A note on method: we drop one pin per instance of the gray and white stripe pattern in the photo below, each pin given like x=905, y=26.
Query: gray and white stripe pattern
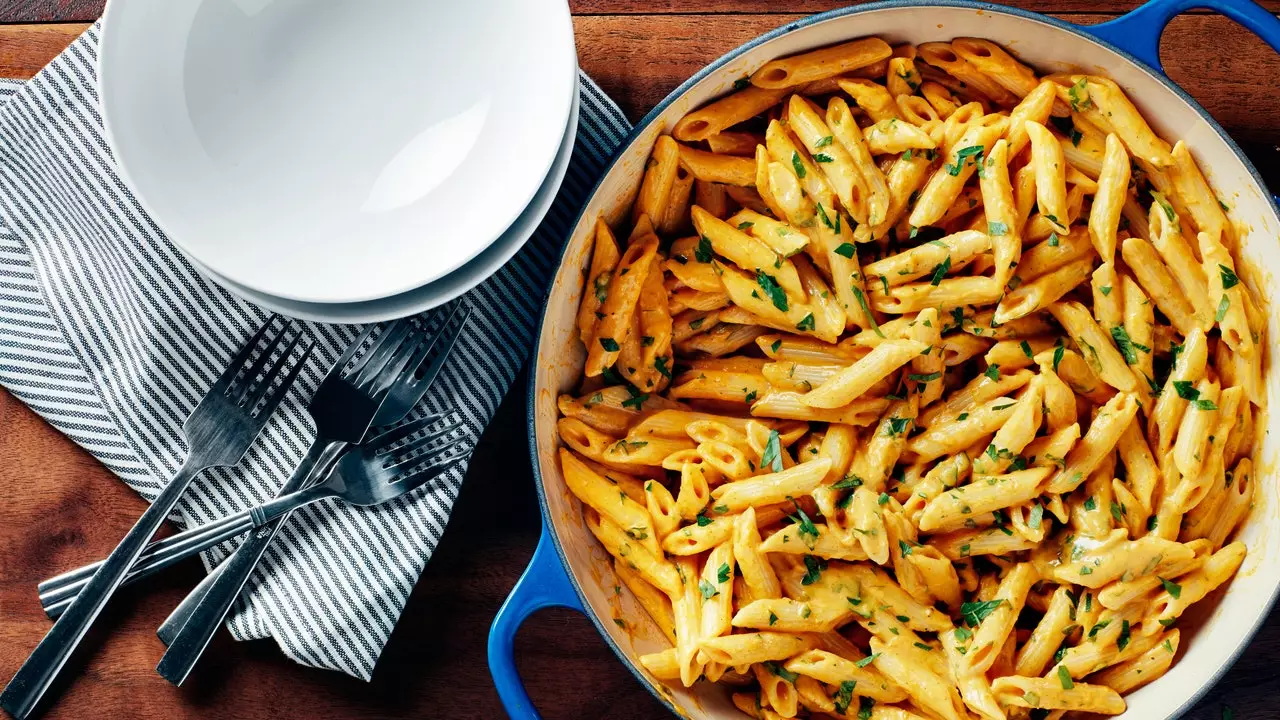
x=110, y=335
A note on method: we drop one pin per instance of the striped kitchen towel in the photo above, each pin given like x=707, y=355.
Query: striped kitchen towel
x=108, y=333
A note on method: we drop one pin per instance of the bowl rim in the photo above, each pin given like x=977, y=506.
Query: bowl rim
x=643, y=125
x=545, y=164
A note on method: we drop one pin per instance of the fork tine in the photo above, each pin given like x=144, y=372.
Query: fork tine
x=353, y=348
x=401, y=432
x=272, y=393
x=240, y=391
x=439, y=465
x=388, y=344
x=242, y=356
x=425, y=375
x=414, y=451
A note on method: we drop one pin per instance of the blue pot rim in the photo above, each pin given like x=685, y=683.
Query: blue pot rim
x=643, y=125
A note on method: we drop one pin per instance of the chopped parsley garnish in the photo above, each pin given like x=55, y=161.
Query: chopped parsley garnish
x=866, y=309
x=813, y=569
x=867, y=660
x=723, y=572
x=852, y=481
x=1229, y=279
x=703, y=520
x=1127, y=347
x=702, y=253
x=1079, y=95
x=635, y=401
x=883, y=499
x=997, y=228
x=1053, y=239
x=823, y=142
x=993, y=372
x=780, y=671
x=845, y=250
x=799, y=166
x=1064, y=677
x=973, y=613
x=897, y=426
x=772, y=455
x=806, y=323
x=609, y=344
x=822, y=158
x=1186, y=389
x=1059, y=350
x=826, y=220
x=1223, y=305
x=1172, y=588
x=924, y=378
x=1123, y=640
x=962, y=155
x=660, y=364
x=741, y=83
x=707, y=589
x=844, y=696
x=771, y=288
x=940, y=271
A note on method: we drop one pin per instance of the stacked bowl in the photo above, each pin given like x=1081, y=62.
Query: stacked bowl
x=349, y=163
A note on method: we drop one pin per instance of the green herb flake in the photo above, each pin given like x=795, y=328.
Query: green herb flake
x=771, y=288
x=1171, y=587
x=1064, y=677
x=797, y=165
x=702, y=253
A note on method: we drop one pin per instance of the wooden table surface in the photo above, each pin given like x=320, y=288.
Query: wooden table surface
x=61, y=508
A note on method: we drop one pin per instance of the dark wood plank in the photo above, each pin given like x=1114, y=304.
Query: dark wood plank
x=44, y=11
x=24, y=49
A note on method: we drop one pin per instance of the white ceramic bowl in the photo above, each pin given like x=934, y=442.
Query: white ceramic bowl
x=335, y=150
x=1211, y=640
x=437, y=292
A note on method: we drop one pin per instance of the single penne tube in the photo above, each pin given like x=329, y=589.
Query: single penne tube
x=865, y=515
x=1054, y=693
x=1159, y=284
x=620, y=304
x=748, y=253
x=947, y=182
x=963, y=544
x=847, y=134
x=950, y=510
x=872, y=97
x=1226, y=294
x=1113, y=186
x=834, y=161
x=1098, y=442
x=944, y=56
x=1024, y=194
x=1198, y=422
x=659, y=178
x=1138, y=671
x=1038, y=649
x=781, y=237
x=1122, y=592
x=832, y=669
x=715, y=168
x=734, y=143
x=1014, y=434
x=1095, y=562
x=959, y=348
x=901, y=77
x=1076, y=373
x=1195, y=194
x=992, y=61
x=603, y=409
x=925, y=259
x=690, y=261
x=1108, y=300
x=851, y=383
x=716, y=586
x=1211, y=478
x=1043, y=291
x=711, y=196
x=991, y=633
x=1140, y=465
x=822, y=63
x=652, y=567
x=686, y=607
x=663, y=665
x=1107, y=100
x=1238, y=499
x=1016, y=354
x=606, y=499
x=1167, y=238
x=977, y=392
x=824, y=542
x=604, y=258
x=726, y=112
x=1096, y=347
x=952, y=292
x=1001, y=211
x=1139, y=327
x=900, y=660
x=1191, y=588
x=1188, y=369
x=881, y=451
x=789, y=405
x=927, y=370
x=748, y=648
x=772, y=487
x=1051, y=175
x=653, y=600
x=1053, y=253
x=917, y=111
x=892, y=136
x=675, y=218
x=939, y=98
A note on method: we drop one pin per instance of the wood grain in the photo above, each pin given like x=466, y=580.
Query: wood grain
x=62, y=508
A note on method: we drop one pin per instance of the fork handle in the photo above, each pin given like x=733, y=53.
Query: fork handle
x=39, y=671
x=188, y=630
x=57, y=592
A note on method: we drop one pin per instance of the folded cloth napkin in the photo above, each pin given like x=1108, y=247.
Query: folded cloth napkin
x=109, y=334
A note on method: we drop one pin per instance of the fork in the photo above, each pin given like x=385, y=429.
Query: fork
x=218, y=433
x=405, y=391
x=381, y=387
x=384, y=468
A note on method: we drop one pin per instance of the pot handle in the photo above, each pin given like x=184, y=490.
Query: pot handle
x=1139, y=31
x=544, y=584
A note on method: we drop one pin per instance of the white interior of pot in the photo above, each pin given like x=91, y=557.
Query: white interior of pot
x=1210, y=639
